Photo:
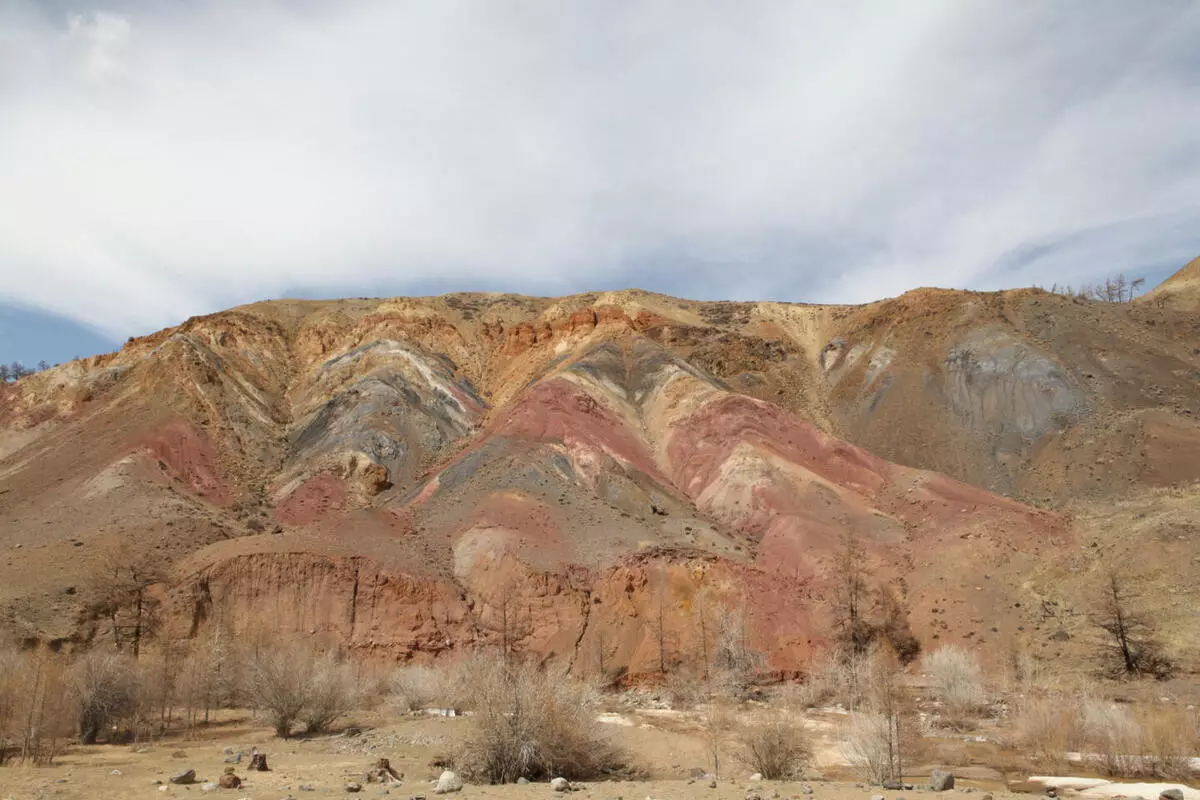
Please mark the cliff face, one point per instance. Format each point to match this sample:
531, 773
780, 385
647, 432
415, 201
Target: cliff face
592, 475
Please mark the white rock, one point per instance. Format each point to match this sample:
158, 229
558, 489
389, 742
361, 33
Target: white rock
448, 782
560, 785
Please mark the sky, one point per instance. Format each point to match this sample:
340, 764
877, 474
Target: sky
161, 159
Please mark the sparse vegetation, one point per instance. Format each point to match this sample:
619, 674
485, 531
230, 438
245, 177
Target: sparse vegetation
532, 723
107, 686
957, 683
297, 685
1118, 289
776, 747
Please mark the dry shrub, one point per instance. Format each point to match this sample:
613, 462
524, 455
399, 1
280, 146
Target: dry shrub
107, 689
1153, 742
777, 747
958, 684
839, 678
684, 689
867, 746
294, 685
332, 692
1045, 727
532, 723
415, 687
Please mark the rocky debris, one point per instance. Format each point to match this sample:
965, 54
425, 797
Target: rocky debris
1171, 794
353, 787
448, 782
560, 785
382, 772
940, 780
230, 780
187, 776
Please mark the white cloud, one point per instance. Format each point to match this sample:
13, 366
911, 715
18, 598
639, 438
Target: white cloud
159, 160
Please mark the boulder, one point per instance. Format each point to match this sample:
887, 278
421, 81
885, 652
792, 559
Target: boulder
1171, 794
230, 781
756, 776
353, 786
893, 785
522, 781
560, 785
209, 787
258, 762
448, 782
940, 780
187, 776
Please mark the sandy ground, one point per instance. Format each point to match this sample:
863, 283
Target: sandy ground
661, 745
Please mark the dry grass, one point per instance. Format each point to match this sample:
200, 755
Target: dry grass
1121, 740
532, 723
416, 687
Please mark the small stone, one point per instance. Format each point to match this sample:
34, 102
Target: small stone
236, 758
307, 787
230, 781
806, 789
940, 780
163, 788
893, 785
229, 751
353, 786
522, 781
187, 776
756, 776
1171, 794
209, 787
448, 782
560, 785
876, 797
115, 772
712, 784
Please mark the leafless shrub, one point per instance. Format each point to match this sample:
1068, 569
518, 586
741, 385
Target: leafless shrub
331, 693
716, 724
839, 678
414, 687
532, 723
279, 680
107, 687
1045, 728
958, 684
777, 747
866, 746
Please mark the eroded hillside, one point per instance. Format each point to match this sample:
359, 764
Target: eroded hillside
599, 473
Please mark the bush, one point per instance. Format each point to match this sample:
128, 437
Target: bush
415, 687
778, 748
107, 689
532, 723
867, 746
957, 682
331, 693
300, 686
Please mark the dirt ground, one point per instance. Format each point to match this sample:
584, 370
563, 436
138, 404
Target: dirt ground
660, 742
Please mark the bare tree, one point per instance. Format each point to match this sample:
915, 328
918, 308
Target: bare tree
850, 596
1131, 648
126, 600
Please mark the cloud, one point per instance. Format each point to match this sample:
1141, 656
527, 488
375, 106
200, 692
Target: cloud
160, 160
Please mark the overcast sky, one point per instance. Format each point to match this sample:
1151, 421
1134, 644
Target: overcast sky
162, 158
